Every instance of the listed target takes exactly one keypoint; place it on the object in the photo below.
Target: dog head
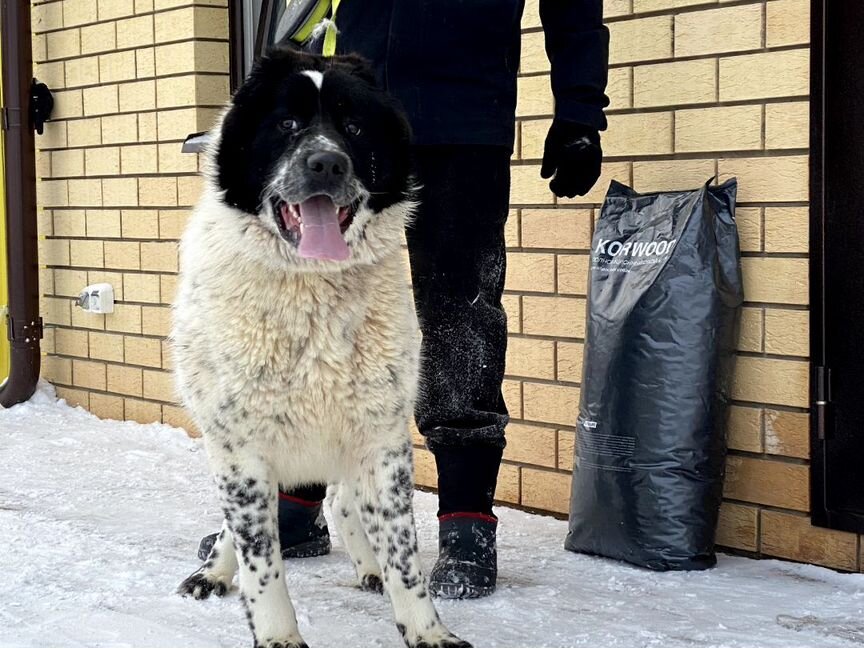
(316, 156)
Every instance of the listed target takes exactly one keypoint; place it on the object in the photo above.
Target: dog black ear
(357, 66)
(285, 57)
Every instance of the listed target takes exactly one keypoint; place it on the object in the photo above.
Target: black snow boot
(303, 530)
(467, 564)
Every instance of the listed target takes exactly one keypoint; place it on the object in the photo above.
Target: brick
(100, 100)
(105, 346)
(138, 96)
(86, 373)
(82, 71)
(120, 192)
(191, 56)
(106, 406)
(51, 74)
(85, 132)
(74, 397)
(669, 175)
(787, 229)
(619, 88)
(611, 171)
(530, 444)
(676, 83)
(766, 380)
(79, 12)
(56, 311)
(189, 189)
(531, 358)
(772, 483)
(55, 136)
(728, 29)
(776, 280)
(764, 75)
(157, 192)
(103, 223)
(534, 96)
(749, 221)
(557, 404)
(113, 278)
(513, 307)
(116, 9)
(745, 428)
(179, 418)
(85, 193)
(40, 47)
(530, 272)
(507, 488)
(86, 253)
(425, 473)
(173, 160)
(640, 6)
(787, 332)
(787, 125)
(548, 491)
(141, 287)
(142, 411)
(569, 365)
(556, 228)
(639, 134)
(57, 370)
(46, 17)
(141, 159)
(63, 44)
(733, 128)
(135, 32)
(511, 229)
(512, 391)
(532, 137)
(147, 131)
(126, 318)
(104, 161)
(189, 90)
(44, 223)
(159, 256)
(177, 124)
(143, 351)
(68, 283)
(124, 255)
(641, 39)
(71, 342)
(555, 316)
(172, 223)
(159, 385)
(84, 320)
(787, 433)
(528, 188)
(613, 8)
(736, 527)
(67, 163)
(533, 57)
(768, 179)
(98, 38)
(140, 223)
(119, 129)
(788, 23)
(751, 330)
(566, 449)
(143, 6)
(125, 380)
(203, 22)
(53, 193)
(116, 66)
(145, 62)
(793, 537)
(67, 104)
(573, 274)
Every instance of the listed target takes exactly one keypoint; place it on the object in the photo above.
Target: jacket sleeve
(577, 44)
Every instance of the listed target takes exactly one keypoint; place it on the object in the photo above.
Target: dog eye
(352, 129)
(289, 125)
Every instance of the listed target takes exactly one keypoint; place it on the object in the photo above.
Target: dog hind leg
(217, 572)
(386, 511)
(346, 516)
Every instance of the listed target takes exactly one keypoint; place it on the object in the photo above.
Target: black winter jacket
(453, 63)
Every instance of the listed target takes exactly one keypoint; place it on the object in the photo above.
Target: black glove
(573, 155)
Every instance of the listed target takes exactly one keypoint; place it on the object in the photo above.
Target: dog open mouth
(317, 225)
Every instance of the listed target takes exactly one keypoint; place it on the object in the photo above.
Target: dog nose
(328, 165)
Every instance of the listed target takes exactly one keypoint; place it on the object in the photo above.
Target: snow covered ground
(99, 522)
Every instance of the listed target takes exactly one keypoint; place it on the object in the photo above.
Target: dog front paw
(372, 583)
(200, 585)
(437, 638)
(281, 644)
(452, 642)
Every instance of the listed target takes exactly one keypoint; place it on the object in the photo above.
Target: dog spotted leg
(346, 516)
(217, 572)
(386, 512)
(250, 499)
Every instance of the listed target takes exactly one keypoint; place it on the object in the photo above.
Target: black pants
(458, 263)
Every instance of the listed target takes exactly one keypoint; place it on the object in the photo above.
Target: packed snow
(100, 520)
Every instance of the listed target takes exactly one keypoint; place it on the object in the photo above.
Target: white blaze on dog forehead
(317, 77)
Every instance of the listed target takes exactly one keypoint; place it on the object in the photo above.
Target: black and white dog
(295, 335)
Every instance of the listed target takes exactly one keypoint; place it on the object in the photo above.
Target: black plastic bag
(664, 298)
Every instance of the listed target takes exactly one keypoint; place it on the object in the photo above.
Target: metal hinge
(26, 332)
(821, 399)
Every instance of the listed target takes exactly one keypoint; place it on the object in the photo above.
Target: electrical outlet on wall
(97, 298)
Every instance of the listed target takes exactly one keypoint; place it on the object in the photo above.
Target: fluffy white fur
(299, 372)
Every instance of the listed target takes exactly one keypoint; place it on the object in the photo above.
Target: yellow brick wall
(132, 78)
(698, 88)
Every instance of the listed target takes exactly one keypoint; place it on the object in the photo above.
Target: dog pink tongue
(321, 236)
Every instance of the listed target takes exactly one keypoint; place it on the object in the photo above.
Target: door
(837, 265)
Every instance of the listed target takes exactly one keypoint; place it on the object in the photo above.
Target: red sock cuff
(475, 516)
(298, 500)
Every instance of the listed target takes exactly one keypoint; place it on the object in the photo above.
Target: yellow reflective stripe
(330, 35)
(318, 14)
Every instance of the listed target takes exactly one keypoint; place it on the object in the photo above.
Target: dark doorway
(837, 265)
